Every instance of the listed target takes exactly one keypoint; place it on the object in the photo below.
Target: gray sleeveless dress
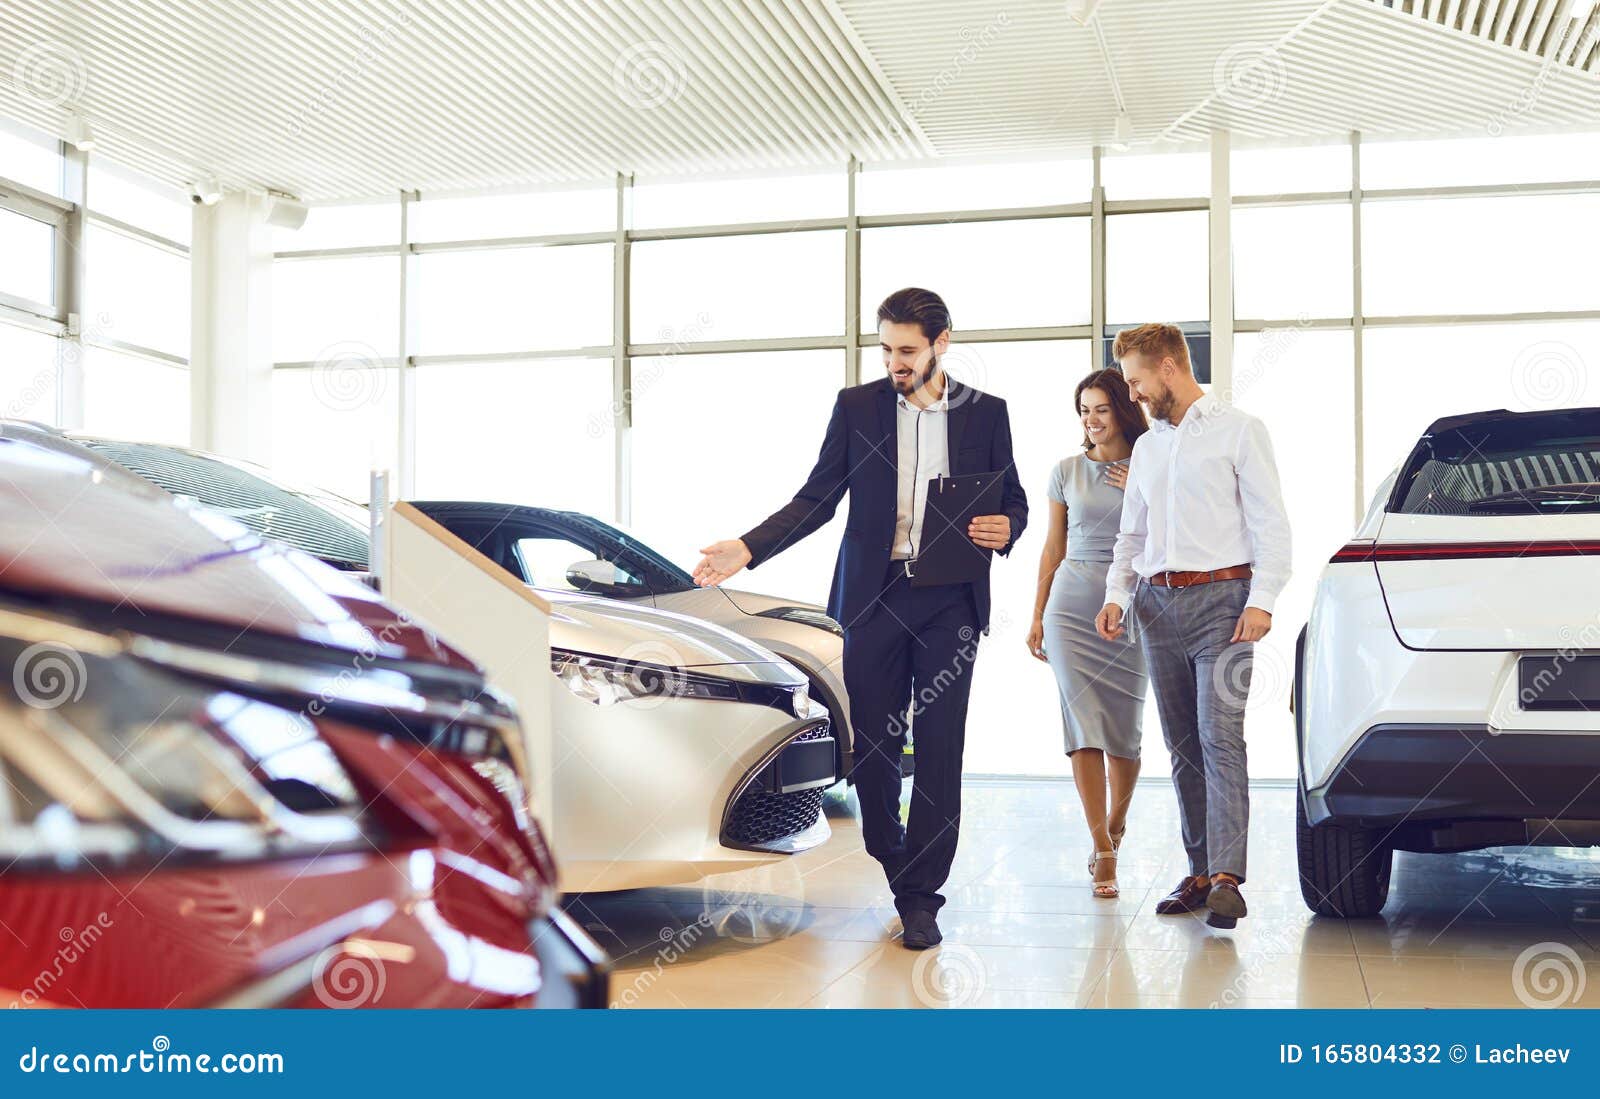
(1102, 682)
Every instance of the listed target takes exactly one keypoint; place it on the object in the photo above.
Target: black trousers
(908, 663)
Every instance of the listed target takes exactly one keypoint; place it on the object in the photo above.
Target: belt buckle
(908, 566)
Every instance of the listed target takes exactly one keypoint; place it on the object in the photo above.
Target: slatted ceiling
(365, 98)
(1020, 75)
(454, 95)
(1363, 66)
(1545, 29)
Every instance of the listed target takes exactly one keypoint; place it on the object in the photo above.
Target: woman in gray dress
(1102, 683)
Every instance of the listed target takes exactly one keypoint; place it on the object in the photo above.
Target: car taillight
(1463, 551)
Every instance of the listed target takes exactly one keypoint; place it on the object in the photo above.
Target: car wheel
(1344, 869)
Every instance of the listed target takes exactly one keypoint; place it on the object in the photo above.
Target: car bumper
(642, 792)
(1443, 787)
(575, 972)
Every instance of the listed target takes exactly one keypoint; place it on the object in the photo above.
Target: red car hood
(72, 526)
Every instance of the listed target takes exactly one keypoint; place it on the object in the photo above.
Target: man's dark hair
(913, 305)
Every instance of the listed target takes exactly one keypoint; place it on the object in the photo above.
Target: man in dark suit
(908, 650)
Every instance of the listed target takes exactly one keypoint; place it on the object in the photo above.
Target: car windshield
(1531, 464)
(322, 524)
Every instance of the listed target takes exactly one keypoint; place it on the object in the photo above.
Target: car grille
(759, 816)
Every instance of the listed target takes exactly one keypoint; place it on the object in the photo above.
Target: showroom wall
(664, 354)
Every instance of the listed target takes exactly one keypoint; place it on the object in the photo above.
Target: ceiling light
(1124, 132)
(78, 135)
(1081, 11)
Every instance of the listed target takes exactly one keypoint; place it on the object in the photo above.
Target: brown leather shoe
(1226, 904)
(1188, 897)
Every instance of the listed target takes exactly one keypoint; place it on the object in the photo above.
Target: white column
(230, 374)
(1221, 268)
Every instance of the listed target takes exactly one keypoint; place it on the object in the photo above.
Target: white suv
(1447, 686)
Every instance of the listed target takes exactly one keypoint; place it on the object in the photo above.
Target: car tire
(1344, 869)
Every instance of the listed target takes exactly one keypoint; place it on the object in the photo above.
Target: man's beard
(918, 379)
(1161, 407)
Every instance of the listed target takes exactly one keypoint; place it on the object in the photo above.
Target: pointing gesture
(721, 560)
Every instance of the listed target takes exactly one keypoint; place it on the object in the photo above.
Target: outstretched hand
(721, 560)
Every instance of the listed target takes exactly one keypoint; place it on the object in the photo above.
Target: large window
(117, 192)
(725, 201)
(137, 307)
(993, 274)
(1543, 158)
(540, 213)
(1158, 267)
(137, 292)
(1479, 255)
(337, 307)
(738, 288)
(901, 190)
(1414, 375)
(537, 432)
(335, 423)
(514, 299)
(27, 264)
(134, 397)
(1300, 383)
(1287, 171)
(1292, 262)
(761, 419)
(29, 374)
(30, 157)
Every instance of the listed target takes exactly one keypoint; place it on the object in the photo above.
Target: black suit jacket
(859, 456)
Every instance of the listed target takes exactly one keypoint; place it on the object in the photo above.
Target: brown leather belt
(1189, 579)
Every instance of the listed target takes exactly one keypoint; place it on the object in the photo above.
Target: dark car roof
(79, 530)
(1499, 415)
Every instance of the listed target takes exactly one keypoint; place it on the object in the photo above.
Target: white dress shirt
(922, 436)
(1203, 495)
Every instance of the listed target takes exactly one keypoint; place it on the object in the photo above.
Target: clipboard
(946, 555)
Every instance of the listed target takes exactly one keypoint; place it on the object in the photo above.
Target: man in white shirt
(1202, 554)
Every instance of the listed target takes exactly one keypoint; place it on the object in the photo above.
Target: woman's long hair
(1130, 417)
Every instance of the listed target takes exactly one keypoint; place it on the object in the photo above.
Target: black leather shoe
(921, 931)
(1188, 897)
(1226, 904)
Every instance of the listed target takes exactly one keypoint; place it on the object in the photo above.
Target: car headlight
(806, 617)
(605, 681)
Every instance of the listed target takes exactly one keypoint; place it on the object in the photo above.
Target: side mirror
(602, 578)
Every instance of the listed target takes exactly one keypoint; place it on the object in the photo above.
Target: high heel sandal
(1116, 838)
(1107, 889)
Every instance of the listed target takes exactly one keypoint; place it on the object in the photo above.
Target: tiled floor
(1493, 929)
